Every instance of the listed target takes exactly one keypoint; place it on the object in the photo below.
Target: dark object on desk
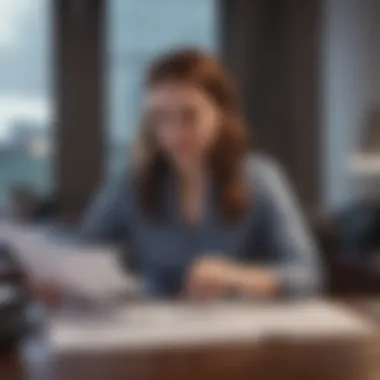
(349, 242)
(14, 300)
(359, 230)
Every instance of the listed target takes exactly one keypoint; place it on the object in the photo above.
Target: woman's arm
(291, 266)
(298, 270)
(294, 269)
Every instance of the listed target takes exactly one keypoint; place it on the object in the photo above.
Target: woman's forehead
(175, 94)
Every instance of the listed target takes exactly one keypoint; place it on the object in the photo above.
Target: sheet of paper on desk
(158, 326)
(96, 275)
(92, 273)
(30, 249)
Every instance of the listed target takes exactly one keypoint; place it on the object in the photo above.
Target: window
(25, 108)
(138, 30)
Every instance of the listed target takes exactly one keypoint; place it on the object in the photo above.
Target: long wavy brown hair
(229, 151)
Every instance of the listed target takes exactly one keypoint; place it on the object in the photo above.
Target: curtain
(272, 50)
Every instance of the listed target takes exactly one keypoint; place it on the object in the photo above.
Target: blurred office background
(50, 50)
(71, 88)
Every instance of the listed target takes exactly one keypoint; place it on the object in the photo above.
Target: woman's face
(185, 122)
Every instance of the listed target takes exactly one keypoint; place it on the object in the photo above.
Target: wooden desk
(276, 359)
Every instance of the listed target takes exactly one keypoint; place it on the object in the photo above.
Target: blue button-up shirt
(273, 234)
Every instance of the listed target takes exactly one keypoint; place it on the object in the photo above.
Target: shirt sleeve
(298, 269)
(108, 217)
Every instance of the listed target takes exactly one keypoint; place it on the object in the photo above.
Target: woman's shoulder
(263, 171)
(269, 181)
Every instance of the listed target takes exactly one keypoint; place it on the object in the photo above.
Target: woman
(204, 217)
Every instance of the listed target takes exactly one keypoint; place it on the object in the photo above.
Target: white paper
(93, 273)
(30, 249)
(157, 326)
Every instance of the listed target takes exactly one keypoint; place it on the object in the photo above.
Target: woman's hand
(212, 278)
(256, 282)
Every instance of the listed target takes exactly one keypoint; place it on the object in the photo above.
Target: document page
(93, 273)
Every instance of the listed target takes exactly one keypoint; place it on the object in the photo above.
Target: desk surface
(268, 360)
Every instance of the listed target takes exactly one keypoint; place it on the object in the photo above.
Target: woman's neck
(192, 187)
(193, 177)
